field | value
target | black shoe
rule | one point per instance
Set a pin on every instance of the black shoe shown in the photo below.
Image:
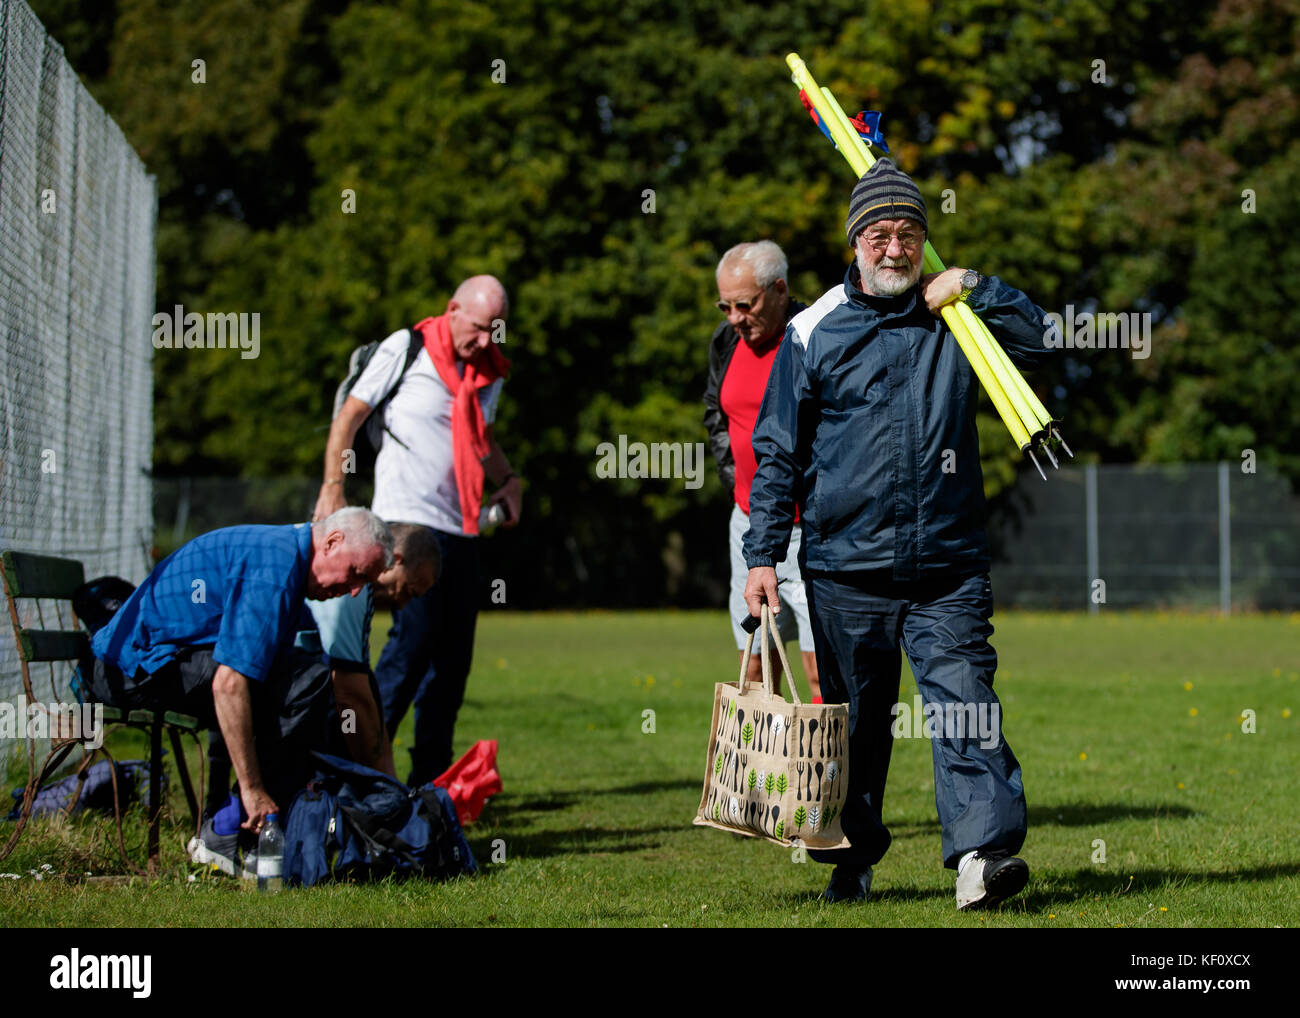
(990, 878)
(848, 883)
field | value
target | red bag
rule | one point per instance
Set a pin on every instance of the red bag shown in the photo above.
(472, 780)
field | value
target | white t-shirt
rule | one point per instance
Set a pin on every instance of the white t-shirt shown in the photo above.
(416, 484)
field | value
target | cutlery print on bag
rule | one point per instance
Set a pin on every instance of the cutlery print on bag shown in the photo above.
(762, 754)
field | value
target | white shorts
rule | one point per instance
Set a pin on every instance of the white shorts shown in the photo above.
(793, 618)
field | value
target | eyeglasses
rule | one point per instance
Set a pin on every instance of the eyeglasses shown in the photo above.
(879, 240)
(743, 306)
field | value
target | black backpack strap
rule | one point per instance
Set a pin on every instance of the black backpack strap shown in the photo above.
(414, 344)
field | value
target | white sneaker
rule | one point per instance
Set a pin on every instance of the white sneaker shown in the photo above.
(222, 852)
(985, 879)
(212, 849)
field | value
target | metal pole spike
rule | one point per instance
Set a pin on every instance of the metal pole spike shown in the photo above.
(1061, 438)
(1047, 451)
(1035, 459)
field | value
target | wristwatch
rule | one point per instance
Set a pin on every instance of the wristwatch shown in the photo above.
(969, 280)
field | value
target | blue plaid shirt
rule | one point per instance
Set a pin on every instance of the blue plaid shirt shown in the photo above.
(238, 590)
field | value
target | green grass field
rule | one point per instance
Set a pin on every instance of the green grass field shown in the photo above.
(1128, 729)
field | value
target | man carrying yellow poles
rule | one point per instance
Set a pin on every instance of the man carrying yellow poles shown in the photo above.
(867, 428)
(1023, 413)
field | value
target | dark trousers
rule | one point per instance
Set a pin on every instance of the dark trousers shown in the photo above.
(860, 622)
(427, 658)
(289, 711)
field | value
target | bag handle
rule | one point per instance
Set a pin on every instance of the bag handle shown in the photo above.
(770, 631)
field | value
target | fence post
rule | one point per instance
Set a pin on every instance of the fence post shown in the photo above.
(1090, 510)
(1225, 543)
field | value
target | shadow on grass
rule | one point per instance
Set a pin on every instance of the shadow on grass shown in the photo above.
(582, 841)
(1058, 889)
(506, 804)
(646, 787)
(1062, 816)
(1093, 883)
(1085, 816)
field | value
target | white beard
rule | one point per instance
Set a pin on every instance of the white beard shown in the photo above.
(888, 284)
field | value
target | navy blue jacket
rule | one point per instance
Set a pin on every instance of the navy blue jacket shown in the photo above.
(868, 425)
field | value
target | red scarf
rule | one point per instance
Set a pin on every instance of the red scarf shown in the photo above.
(468, 429)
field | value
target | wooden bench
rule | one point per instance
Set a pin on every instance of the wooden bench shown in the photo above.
(62, 648)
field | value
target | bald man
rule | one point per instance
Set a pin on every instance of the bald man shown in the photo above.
(441, 380)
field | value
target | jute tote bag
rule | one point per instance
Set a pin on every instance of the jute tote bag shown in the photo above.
(775, 769)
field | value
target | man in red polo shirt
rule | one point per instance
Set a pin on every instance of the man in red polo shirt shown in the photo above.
(753, 294)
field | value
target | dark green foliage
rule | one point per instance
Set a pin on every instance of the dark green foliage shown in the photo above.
(1123, 195)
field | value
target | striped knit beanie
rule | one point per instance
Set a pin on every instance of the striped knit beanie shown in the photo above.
(883, 192)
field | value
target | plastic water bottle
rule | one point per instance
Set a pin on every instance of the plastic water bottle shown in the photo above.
(270, 855)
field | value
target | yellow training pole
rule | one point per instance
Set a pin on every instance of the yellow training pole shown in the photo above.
(1030, 397)
(860, 160)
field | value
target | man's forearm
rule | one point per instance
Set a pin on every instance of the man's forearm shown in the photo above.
(338, 462)
(363, 730)
(509, 487)
(496, 466)
(234, 707)
(342, 434)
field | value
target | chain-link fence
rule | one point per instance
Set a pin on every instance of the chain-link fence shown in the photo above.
(1195, 536)
(1187, 536)
(77, 222)
(188, 506)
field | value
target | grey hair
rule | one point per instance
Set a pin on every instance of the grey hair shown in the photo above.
(764, 258)
(360, 527)
(417, 545)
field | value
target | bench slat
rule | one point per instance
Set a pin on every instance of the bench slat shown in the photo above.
(116, 715)
(52, 645)
(28, 575)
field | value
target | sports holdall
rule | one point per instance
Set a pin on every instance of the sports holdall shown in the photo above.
(355, 823)
(775, 770)
(91, 790)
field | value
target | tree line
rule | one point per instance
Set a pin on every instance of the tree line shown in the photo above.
(339, 166)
